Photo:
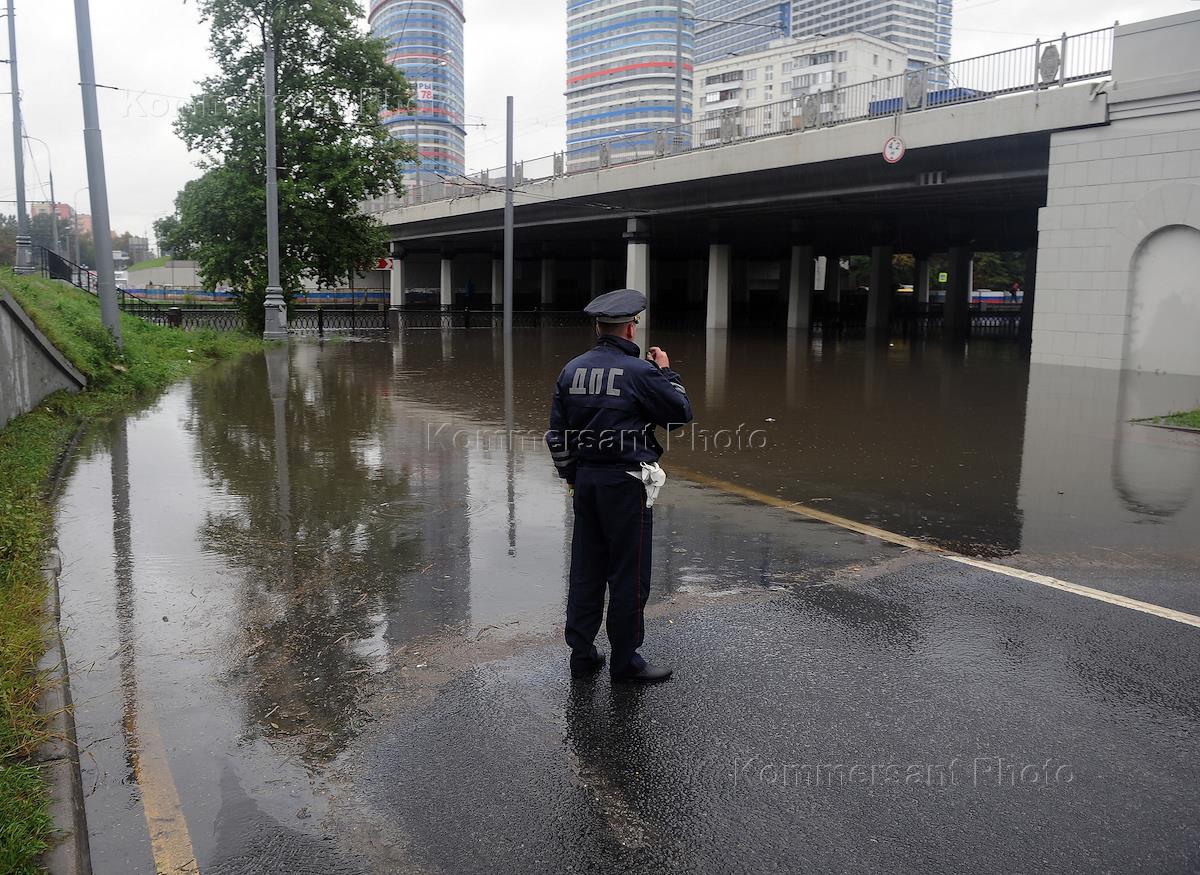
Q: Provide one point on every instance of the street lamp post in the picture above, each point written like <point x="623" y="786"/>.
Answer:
<point x="275" y="323"/>
<point x="78" y="231"/>
<point x="53" y="201"/>
<point x="93" y="141"/>
<point x="24" y="253"/>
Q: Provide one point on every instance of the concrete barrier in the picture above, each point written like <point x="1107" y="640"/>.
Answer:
<point x="30" y="366"/>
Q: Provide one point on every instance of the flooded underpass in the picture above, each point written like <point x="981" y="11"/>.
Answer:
<point x="313" y="602"/>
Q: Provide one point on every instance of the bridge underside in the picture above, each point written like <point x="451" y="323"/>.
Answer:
<point x="979" y="195"/>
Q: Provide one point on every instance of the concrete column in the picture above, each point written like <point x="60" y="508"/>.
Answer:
<point x="548" y="278"/>
<point x="800" y="288"/>
<point x="921" y="280"/>
<point x="637" y="270"/>
<point x="957" y="313"/>
<point x="879" y="297"/>
<point x="833" y="278"/>
<point x="447" y="282"/>
<point x="497" y="284"/>
<point x="719" y="258"/>
<point x="397" y="282"/>
<point x="716" y="368"/>
<point x="596" y="278"/>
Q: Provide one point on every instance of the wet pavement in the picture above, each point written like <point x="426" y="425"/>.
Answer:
<point x="313" y="603"/>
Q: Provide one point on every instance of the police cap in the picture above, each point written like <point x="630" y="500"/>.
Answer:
<point x="617" y="307"/>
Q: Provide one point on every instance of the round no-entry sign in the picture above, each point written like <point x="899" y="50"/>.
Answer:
<point x="893" y="150"/>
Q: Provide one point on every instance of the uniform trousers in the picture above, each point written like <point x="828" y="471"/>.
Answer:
<point x="610" y="545"/>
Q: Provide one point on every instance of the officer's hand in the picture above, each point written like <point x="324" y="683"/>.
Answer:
<point x="659" y="356"/>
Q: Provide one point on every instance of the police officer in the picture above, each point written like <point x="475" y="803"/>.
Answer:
<point x="607" y="404"/>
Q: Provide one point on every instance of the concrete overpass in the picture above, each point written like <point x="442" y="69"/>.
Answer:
<point x="1077" y="153"/>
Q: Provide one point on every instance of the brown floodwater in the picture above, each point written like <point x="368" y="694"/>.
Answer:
<point x="247" y="552"/>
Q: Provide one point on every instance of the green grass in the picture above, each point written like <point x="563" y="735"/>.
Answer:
<point x="1185" y="419"/>
<point x="148" y="263"/>
<point x="153" y="358"/>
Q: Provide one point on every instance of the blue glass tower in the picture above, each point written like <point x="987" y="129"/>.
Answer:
<point x="425" y="39"/>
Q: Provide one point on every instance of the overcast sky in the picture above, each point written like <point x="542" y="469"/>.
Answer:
<point x="154" y="51"/>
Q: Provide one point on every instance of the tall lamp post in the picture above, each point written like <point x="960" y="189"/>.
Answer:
<point x="275" y="323"/>
<point x="53" y="202"/>
<point x="93" y="141"/>
<point x="75" y="223"/>
<point x="24" y="253"/>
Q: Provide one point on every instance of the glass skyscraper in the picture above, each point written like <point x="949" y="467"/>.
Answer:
<point x="920" y="26"/>
<point x="425" y="39"/>
<point x="621" y="77"/>
<point x="737" y="27"/>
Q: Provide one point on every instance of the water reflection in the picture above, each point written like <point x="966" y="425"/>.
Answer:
<point x="316" y="522"/>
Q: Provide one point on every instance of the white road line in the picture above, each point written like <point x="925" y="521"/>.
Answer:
<point x="925" y="547"/>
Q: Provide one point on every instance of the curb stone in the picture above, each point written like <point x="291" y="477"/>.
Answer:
<point x="59" y="755"/>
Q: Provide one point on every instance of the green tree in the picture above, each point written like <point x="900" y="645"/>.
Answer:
<point x="41" y="230"/>
<point x="8" y="240"/>
<point x="333" y="82"/>
<point x="171" y="242"/>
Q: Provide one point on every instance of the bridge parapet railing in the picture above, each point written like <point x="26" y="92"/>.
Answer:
<point x="1037" y="66"/>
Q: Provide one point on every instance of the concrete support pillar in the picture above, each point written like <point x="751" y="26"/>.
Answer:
<point x="637" y="270"/>
<point x="1025" y="331"/>
<point x="956" y="316"/>
<point x="879" y="297"/>
<point x="719" y="259"/>
<point x="447" y="282"/>
<point x="833" y="278"/>
<point x="497" y="284"/>
<point x="716" y="368"/>
<point x="596" y="278"/>
<point x="548" y="279"/>
<point x="397" y="281"/>
<point x="921" y="280"/>
<point x="800" y="288"/>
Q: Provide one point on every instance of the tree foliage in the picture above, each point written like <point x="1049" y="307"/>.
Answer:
<point x="332" y="82"/>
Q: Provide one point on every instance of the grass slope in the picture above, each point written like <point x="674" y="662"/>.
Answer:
<point x="153" y="358"/>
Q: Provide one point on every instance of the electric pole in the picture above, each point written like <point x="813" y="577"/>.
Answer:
<point x="24" y="253"/>
<point x="106" y="286"/>
<point x="508" y="225"/>
<point x="275" y="324"/>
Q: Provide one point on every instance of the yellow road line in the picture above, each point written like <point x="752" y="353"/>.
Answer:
<point x="169" y="838"/>
<point x="925" y="547"/>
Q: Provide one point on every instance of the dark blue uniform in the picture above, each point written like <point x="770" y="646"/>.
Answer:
<point x="607" y="404"/>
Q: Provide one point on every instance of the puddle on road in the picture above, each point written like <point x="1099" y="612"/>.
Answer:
<point x="252" y="556"/>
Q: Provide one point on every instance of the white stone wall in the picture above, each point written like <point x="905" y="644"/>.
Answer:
<point x="1098" y="179"/>
<point x="1111" y="189"/>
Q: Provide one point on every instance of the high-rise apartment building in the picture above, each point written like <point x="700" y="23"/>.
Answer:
<point x="921" y="27"/>
<point x="621" y="77"/>
<point x="761" y="92"/>
<point x="424" y="38"/>
<point x="736" y="27"/>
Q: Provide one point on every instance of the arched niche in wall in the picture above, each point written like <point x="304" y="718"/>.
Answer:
<point x="1156" y="251"/>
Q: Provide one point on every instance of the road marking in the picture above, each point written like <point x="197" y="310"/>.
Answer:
<point x="169" y="838"/>
<point x="926" y="547"/>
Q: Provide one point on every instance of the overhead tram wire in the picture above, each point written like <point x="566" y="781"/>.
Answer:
<point x="492" y="189"/>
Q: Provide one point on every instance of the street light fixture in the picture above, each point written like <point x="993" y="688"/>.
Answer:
<point x="53" y="201"/>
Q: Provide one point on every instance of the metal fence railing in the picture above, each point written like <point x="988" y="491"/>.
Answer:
<point x="1034" y="67"/>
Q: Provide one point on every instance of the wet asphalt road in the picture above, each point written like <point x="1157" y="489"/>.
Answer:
<point x="909" y="716"/>
<point x="346" y="635"/>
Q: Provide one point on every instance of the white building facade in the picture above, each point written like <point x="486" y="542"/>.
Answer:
<point x="760" y="93"/>
<point x="920" y="27"/>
